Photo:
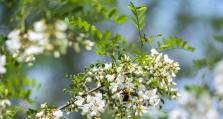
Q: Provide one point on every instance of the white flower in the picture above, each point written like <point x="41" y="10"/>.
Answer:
<point x="218" y="78"/>
<point x="35" y="36"/>
<point x="40" y="26"/>
<point x="15" y="34"/>
<point x="13" y="44"/>
<point x="108" y="66"/>
<point x="212" y="114"/>
<point x="167" y="59"/>
<point x="43" y="105"/>
<point x="60" y="35"/>
<point x="88" y="44"/>
<point x="2" y="64"/>
<point x="39" y="114"/>
<point x="61" y="25"/>
<point x="33" y="50"/>
<point x="79" y="101"/>
<point x="153" y="97"/>
<point x="4" y="103"/>
<point x="140" y="110"/>
<point x="178" y="113"/>
<point x="94" y="105"/>
<point x="88" y="79"/>
<point x="154" y="52"/>
<point x="58" y="114"/>
<point x="113" y="87"/>
<point x="186" y="98"/>
<point x="110" y="77"/>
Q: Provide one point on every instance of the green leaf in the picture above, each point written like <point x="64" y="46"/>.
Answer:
<point x="174" y="43"/>
<point x="138" y="19"/>
<point x="2" y="39"/>
<point x="120" y="19"/>
<point x="219" y="38"/>
<point x="112" y="12"/>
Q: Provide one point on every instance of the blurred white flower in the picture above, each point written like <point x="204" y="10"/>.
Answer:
<point x="33" y="50"/>
<point x="178" y="113"/>
<point x="218" y="78"/>
<point x="40" y="26"/>
<point x="13" y="43"/>
<point x="61" y="25"/>
<point x="58" y="114"/>
<point x="154" y="52"/>
<point x="108" y="66"/>
<point x="88" y="44"/>
<point x="39" y="114"/>
<point x="191" y="106"/>
<point x="2" y="64"/>
<point x="110" y="77"/>
<point x="4" y="103"/>
<point x="44" y="105"/>
<point x="35" y="36"/>
<point x="79" y="101"/>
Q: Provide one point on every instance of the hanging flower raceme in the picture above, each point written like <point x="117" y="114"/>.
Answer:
<point x="127" y="87"/>
<point x="53" y="38"/>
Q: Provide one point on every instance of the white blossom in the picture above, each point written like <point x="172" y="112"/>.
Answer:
<point x="4" y="105"/>
<point x="40" y="26"/>
<point x="33" y="50"/>
<point x="218" y="78"/>
<point x="108" y="66"/>
<point x="13" y="43"/>
<point x="93" y="106"/>
<point x="110" y="77"/>
<point x="39" y="114"/>
<point x="61" y="25"/>
<point x="2" y="64"/>
<point x="88" y="44"/>
<point x="58" y="114"/>
<point x="36" y="36"/>
<point x="179" y="113"/>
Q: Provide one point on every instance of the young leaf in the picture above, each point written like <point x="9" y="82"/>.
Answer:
<point x="138" y="19"/>
<point x="174" y="43"/>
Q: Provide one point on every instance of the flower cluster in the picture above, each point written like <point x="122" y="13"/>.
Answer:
<point x="82" y="40"/>
<point x="53" y="38"/>
<point x="194" y="107"/>
<point x="127" y="87"/>
<point x="2" y="64"/>
<point x="161" y="72"/>
<point x="4" y="103"/>
<point x="48" y="113"/>
<point x="92" y="105"/>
